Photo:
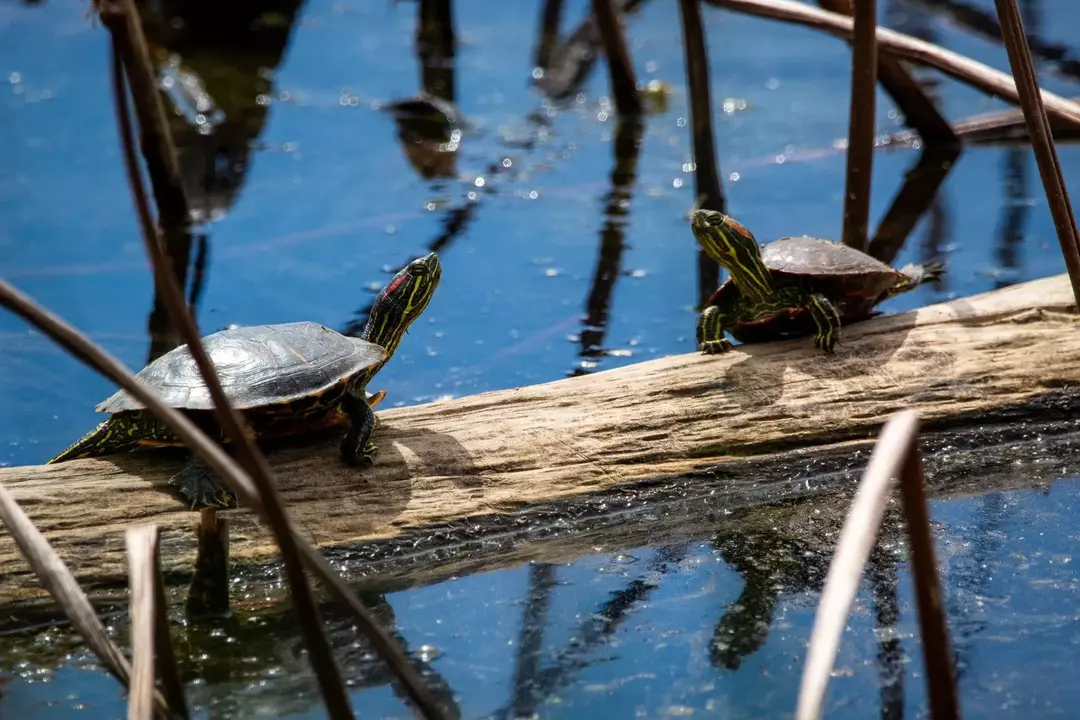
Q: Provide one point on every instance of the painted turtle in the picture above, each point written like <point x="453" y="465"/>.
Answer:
<point x="286" y="380"/>
<point x="791" y="287"/>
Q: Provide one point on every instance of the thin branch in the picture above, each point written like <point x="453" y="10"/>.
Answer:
<point x="307" y="612"/>
<point x="937" y="656"/>
<point x="708" y="192"/>
<point x="861" y="120"/>
<point x="1057" y="196"/>
<point x="990" y="81"/>
<point x="150" y="643"/>
<point x="920" y="112"/>
<point x="62" y="586"/>
<point x="891" y="457"/>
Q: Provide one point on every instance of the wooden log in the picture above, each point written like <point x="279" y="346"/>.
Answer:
<point x="495" y="452"/>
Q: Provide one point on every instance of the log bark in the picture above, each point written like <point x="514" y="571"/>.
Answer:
<point x="496" y="452"/>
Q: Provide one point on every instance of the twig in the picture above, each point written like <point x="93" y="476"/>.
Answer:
<point x="61" y="584"/>
<point x="151" y="645"/>
<point x="904" y="46"/>
<point x="307" y="612"/>
<point x="708" y="192"/>
<point x="1057" y="196"/>
<point x="920" y="112"/>
<point x="861" y="119"/>
<point x="620" y="69"/>
<point x="893" y="456"/>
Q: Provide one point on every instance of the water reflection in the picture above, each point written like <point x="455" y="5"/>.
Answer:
<point x="533" y="682"/>
<point x="565" y="66"/>
<point x="625" y="149"/>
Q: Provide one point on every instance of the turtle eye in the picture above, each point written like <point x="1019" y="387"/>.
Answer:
<point x="418" y="268"/>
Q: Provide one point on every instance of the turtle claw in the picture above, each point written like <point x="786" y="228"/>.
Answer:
<point x="826" y="342"/>
<point x="371" y="450"/>
<point x="716" y="347"/>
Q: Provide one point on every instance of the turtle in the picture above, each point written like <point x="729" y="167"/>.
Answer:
<point x="791" y="287"/>
<point x="286" y="380"/>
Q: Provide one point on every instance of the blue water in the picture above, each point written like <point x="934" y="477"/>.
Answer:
<point x="330" y="205"/>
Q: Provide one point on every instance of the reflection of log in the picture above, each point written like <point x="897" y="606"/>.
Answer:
<point x="492" y="453"/>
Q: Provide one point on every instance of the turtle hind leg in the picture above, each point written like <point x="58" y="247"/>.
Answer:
<point x="115" y="435"/>
<point x="710" y="332"/>
<point x="827" y="319"/>
<point x="356" y="446"/>
<point x="200" y="486"/>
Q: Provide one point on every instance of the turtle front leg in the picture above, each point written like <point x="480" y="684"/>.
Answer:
<point x="827" y="319"/>
<point x="357" y="447"/>
<point x="200" y="486"/>
<point x="710" y="332"/>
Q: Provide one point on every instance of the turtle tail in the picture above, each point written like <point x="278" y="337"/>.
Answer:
<point x="916" y="275"/>
<point x="112" y="436"/>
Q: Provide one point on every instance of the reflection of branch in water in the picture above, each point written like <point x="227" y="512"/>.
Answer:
<point x="919" y="192"/>
<point x="985" y="22"/>
<point x="593" y="632"/>
<point x="616" y="208"/>
<point x="163" y="337"/>
<point x="883" y="579"/>
<point x="570" y="63"/>
<point x="912" y="200"/>
<point x="770" y="564"/>
<point x="550" y="17"/>
<point x="216" y="67"/>
<point x="213" y="67"/>
<point x="429" y="124"/>
<point x="437" y="48"/>
<point x="1015" y="211"/>
<point x="533" y="620"/>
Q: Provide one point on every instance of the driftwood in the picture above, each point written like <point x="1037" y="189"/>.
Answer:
<point x="493" y="453"/>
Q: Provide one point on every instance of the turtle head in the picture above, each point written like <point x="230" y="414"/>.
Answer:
<point x="734" y="247"/>
<point x="402" y="301"/>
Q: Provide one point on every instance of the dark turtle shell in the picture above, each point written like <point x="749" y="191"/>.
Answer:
<point x="260" y="366"/>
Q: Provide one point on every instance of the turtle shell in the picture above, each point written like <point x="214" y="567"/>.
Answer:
<point x="842" y="273"/>
<point x="259" y="366"/>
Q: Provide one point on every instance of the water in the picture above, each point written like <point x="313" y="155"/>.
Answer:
<point x="328" y="204"/>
